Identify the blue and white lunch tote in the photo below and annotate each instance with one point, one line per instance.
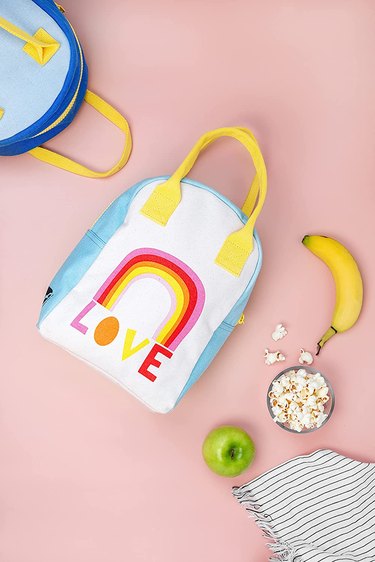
(156, 286)
(43, 82)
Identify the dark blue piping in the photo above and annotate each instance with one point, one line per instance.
(13, 145)
(27, 144)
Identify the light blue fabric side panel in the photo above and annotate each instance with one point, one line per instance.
(27, 93)
(82, 257)
(238, 308)
(87, 250)
(222, 333)
(218, 339)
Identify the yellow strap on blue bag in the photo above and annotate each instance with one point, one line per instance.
(65, 163)
(165, 198)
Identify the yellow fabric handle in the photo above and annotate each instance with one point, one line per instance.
(69, 165)
(253, 193)
(41, 46)
(165, 198)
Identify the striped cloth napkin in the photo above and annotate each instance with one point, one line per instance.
(315, 508)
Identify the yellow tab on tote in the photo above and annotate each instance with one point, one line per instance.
(162, 203)
(1, 112)
(235, 251)
(42, 54)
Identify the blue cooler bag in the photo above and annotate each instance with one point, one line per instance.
(43, 82)
(156, 286)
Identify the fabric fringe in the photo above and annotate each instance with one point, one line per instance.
(282, 551)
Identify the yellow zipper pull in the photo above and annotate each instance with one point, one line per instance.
(241, 319)
(60, 7)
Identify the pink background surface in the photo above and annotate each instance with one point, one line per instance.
(87, 473)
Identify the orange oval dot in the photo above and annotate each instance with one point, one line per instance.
(106, 331)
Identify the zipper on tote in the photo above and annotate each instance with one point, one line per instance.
(241, 320)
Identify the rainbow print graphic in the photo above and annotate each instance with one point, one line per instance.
(183, 285)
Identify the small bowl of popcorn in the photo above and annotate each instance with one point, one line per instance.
(300, 400)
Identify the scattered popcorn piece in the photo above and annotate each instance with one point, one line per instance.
(271, 357)
(279, 333)
(305, 357)
(298, 399)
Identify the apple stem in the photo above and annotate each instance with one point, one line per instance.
(232, 454)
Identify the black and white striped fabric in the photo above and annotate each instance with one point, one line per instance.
(315, 508)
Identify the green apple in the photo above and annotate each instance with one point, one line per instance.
(228, 450)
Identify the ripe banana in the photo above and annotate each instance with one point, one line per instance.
(348, 281)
